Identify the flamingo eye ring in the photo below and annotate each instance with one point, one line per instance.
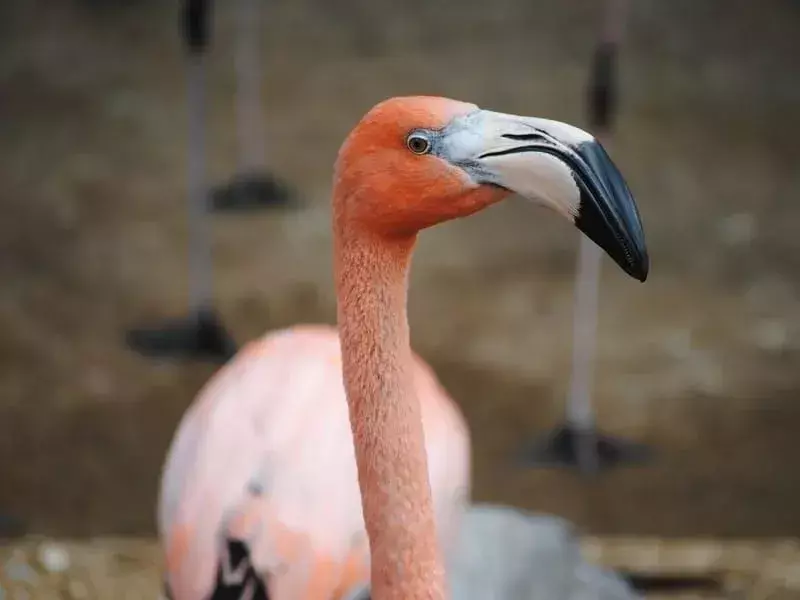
(418, 143)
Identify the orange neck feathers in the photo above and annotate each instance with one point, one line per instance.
(385, 416)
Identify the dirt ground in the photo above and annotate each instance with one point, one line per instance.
(112, 568)
(701, 362)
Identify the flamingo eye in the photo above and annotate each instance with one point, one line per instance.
(418, 143)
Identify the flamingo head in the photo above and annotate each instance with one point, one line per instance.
(413, 162)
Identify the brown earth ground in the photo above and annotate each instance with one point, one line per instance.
(701, 362)
(129, 568)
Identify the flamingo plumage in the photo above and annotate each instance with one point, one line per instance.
(265, 466)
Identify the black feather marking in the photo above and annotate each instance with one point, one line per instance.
(236, 577)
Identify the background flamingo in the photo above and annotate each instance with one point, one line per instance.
(260, 470)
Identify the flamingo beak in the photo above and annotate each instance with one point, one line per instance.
(559, 166)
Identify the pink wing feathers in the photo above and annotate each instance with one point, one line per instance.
(265, 456)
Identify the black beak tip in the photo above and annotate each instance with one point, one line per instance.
(640, 269)
(635, 264)
(640, 265)
(623, 243)
(634, 259)
(608, 213)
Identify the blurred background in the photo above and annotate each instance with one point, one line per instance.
(701, 363)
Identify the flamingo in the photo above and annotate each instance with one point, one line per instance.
(270, 491)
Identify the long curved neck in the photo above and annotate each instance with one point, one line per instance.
(385, 416)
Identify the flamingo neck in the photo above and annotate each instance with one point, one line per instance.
(385, 416)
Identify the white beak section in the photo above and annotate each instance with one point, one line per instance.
(552, 187)
(495, 138)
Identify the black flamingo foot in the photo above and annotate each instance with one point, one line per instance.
(201, 336)
(251, 190)
(585, 449)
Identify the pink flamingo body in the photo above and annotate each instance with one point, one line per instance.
(265, 455)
